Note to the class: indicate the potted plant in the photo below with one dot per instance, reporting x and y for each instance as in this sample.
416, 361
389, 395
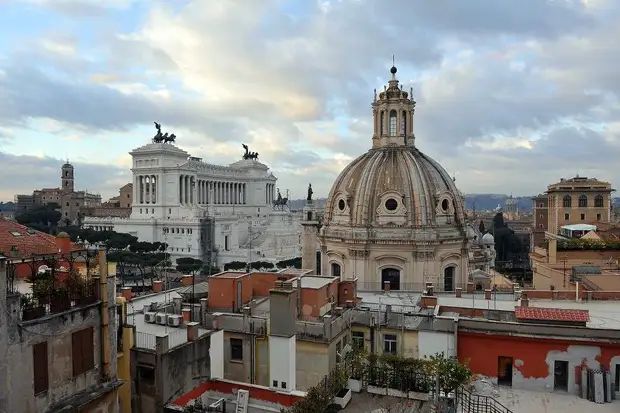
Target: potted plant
376, 373
60, 300
30, 311
357, 366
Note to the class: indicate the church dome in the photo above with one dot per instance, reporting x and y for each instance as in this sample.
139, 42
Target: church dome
394, 185
487, 239
394, 217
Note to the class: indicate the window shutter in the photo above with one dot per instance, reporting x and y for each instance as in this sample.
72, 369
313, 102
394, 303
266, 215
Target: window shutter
76, 355
88, 349
41, 377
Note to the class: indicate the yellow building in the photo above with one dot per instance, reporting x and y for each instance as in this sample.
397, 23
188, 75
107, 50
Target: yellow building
124, 343
578, 200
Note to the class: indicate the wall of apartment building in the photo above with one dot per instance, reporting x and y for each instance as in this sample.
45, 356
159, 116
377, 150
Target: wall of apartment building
406, 340
560, 215
159, 375
57, 332
315, 359
125, 196
540, 214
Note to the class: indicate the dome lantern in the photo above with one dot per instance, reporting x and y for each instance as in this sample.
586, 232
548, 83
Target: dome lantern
393, 114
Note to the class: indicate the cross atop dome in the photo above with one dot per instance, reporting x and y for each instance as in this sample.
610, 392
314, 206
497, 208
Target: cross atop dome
393, 114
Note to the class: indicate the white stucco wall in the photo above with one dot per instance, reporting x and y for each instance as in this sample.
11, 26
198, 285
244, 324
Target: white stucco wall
432, 342
282, 362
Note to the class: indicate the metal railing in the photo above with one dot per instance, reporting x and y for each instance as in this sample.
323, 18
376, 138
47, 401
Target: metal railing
145, 341
470, 402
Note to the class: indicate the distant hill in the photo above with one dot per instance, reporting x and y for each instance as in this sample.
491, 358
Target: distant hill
7, 206
483, 202
488, 202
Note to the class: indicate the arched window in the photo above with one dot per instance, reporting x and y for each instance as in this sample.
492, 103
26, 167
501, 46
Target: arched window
336, 270
403, 123
567, 201
598, 201
392, 122
583, 201
382, 130
448, 278
390, 276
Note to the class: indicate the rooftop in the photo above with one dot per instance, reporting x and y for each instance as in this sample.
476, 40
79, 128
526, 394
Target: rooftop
552, 314
602, 314
19, 241
316, 281
230, 274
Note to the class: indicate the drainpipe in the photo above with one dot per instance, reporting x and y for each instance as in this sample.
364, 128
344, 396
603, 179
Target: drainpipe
299, 304
456, 336
577, 291
103, 295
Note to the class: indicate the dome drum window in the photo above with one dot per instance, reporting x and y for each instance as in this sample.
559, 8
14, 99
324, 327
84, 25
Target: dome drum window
341, 205
391, 209
391, 204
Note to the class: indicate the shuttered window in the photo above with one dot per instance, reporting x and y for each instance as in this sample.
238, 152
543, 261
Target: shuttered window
39, 358
83, 351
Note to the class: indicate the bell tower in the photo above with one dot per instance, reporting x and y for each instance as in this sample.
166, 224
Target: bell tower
67, 178
393, 114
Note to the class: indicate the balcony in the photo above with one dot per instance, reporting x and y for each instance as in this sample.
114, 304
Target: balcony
56, 299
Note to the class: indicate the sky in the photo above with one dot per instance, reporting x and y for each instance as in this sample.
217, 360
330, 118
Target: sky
511, 95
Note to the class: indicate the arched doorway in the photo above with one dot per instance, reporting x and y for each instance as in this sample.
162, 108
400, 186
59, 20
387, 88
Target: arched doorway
391, 275
336, 270
448, 278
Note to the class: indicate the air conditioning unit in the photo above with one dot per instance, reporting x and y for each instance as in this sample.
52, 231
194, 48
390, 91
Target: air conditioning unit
160, 319
149, 317
175, 320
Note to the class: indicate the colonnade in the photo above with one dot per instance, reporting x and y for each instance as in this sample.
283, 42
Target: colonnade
211, 192
145, 189
269, 194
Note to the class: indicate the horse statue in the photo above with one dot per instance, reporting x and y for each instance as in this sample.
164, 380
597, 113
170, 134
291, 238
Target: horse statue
170, 139
163, 137
249, 155
280, 202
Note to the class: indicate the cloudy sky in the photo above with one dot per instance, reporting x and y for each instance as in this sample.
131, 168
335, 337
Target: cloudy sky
512, 95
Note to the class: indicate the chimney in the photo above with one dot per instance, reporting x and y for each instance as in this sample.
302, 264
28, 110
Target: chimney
487, 294
430, 290
247, 311
204, 306
428, 301
459, 292
470, 288
126, 293
177, 303
63, 241
192, 331
282, 337
187, 315
387, 286
187, 280
158, 286
525, 302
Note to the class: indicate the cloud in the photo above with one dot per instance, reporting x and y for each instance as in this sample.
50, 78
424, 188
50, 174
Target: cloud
503, 88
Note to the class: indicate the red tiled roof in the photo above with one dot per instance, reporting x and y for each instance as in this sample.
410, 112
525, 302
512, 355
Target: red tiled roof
552, 314
19, 241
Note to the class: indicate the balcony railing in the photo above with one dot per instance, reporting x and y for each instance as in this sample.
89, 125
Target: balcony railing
40, 304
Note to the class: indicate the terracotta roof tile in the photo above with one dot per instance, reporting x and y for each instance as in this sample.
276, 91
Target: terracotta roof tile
552, 314
19, 241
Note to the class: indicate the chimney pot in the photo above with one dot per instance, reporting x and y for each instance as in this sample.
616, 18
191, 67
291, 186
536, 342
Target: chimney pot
525, 302
459, 292
192, 331
187, 312
158, 286
470, 288
487, 294
387, 286
126, 293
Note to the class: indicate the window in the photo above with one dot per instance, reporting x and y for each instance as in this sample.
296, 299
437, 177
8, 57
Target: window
583, 201
541, 205
336, 270
382, 131
389, 344
567, 201
598, 201
566, 217
67, 203
392, 123
283, 385
39, 361
236, 349
358, 339
82, 349
77, 204
598, 217
542, 216
403, 124
583, 217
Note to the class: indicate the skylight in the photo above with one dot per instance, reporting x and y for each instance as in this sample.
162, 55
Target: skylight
16, 234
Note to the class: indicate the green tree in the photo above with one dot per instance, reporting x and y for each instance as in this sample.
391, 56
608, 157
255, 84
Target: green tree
235, 266
452, 374
260, 265
42, 218
188, 265
291, 262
